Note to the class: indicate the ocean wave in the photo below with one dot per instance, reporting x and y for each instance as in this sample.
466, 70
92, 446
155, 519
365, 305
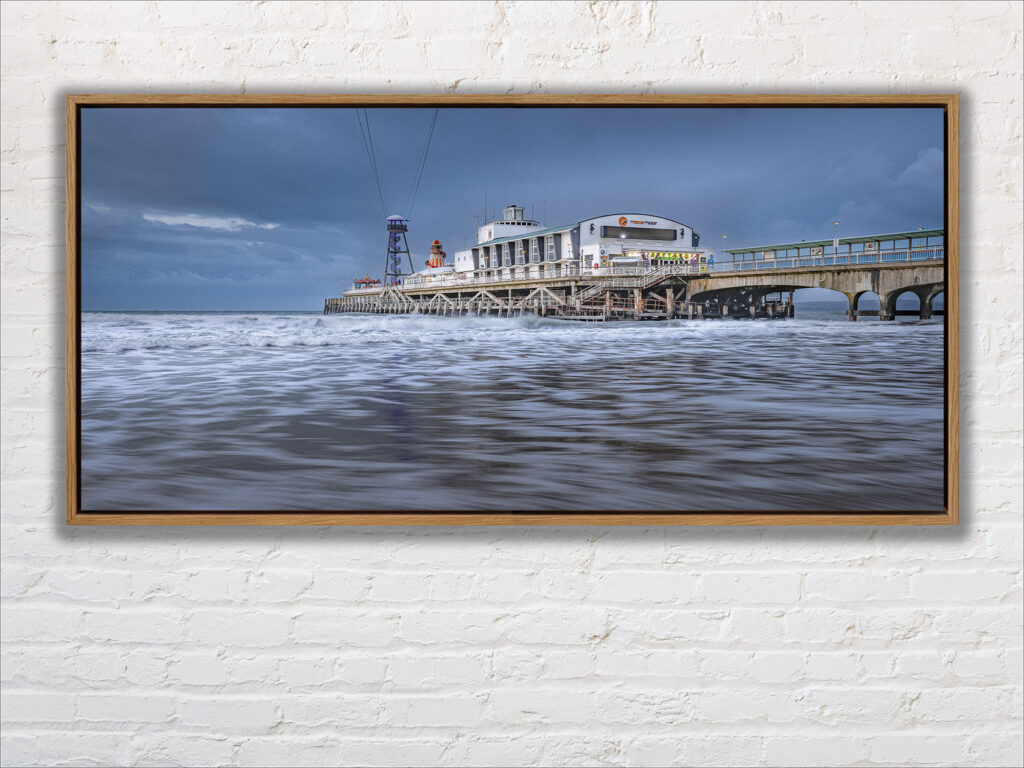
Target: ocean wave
121, 333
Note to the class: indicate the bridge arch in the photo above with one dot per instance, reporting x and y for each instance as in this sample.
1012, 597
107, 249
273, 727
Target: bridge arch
925, 299
912, 299
857, 311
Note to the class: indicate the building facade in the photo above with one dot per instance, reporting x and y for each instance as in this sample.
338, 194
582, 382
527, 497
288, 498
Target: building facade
515, 247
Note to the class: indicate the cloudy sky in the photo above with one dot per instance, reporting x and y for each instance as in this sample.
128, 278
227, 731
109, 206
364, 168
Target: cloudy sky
255, 208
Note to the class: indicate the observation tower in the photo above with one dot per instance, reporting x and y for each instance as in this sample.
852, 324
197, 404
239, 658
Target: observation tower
398, 244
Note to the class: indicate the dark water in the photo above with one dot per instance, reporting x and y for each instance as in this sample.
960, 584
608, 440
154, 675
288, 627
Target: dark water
298, 411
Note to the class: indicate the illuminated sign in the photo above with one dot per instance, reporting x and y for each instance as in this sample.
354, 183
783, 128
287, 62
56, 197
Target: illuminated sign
668, 256
623, 221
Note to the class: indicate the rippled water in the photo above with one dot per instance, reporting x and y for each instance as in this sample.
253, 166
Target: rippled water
299, 411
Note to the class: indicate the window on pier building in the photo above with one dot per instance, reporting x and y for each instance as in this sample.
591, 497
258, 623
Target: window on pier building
534, 250
550, 247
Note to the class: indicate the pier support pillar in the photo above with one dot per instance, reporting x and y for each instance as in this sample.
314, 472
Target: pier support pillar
670, 300
924, 296
638, 301
886, 308
852, 311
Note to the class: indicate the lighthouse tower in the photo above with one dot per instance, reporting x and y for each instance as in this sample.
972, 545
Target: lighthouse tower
397, 245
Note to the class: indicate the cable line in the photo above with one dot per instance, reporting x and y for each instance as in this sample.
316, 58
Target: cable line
423, 164
368, 145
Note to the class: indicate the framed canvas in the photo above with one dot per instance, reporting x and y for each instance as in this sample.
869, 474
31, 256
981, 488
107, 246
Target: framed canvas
573, 309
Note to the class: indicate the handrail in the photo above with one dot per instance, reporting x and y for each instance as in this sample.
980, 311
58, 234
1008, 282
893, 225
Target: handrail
896, 255
619, 275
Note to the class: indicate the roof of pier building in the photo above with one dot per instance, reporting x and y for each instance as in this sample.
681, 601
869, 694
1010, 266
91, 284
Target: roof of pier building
530, 233
916, 233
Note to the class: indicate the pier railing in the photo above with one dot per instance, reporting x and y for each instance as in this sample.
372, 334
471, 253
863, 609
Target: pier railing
926, 253
620, 276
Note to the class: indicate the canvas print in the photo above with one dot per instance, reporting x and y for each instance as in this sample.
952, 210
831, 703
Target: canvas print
551, 309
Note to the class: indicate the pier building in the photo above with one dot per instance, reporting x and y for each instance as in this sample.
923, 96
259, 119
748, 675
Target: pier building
644, 267
514, 247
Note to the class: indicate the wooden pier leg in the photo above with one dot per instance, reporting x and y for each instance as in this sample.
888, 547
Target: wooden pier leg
670, 296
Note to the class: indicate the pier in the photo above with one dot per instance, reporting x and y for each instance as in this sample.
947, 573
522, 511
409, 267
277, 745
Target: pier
757, 283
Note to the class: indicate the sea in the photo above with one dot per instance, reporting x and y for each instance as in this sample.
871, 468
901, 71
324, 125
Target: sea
267, 411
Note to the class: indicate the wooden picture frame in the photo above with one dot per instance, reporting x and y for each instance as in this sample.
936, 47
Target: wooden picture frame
75, 103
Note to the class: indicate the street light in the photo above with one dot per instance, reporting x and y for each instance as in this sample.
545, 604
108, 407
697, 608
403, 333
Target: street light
835, 237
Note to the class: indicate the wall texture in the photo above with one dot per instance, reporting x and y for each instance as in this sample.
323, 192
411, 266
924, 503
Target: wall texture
511, 646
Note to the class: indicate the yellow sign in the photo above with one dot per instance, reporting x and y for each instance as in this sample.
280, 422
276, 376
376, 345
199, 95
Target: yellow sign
700, 258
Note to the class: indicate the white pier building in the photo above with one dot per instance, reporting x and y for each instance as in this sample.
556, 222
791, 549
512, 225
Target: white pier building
514, 247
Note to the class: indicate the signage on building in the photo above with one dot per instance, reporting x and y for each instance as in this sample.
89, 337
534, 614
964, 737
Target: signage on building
666, 255
817, 250
623, 221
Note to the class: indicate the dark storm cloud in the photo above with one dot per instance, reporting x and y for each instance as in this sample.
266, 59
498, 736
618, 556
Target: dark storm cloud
274, 208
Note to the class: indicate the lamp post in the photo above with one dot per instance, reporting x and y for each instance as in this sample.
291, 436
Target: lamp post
835, 237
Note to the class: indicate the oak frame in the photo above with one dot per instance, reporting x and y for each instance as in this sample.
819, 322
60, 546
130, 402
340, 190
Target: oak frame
75, 516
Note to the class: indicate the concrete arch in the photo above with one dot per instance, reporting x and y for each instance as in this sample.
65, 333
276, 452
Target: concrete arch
895, 311
856, 310
925, 296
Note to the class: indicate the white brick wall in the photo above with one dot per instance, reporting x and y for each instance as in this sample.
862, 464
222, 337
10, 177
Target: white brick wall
511, 646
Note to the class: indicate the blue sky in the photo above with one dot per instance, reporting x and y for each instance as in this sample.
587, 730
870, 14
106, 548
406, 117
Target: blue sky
256, 208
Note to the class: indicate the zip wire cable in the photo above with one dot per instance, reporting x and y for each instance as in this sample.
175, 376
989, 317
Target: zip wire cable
368, 145
373, 154
423, 164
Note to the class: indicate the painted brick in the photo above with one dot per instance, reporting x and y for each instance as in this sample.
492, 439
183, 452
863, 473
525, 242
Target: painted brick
229, 714
228, 627
333, 710
120, 708
416, 671
29, 706
531, 705
450, 711
180, 748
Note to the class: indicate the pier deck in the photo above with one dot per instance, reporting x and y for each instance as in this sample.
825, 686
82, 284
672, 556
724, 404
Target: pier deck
668, 292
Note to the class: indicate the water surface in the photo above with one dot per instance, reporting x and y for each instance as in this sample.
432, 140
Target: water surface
295, 411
